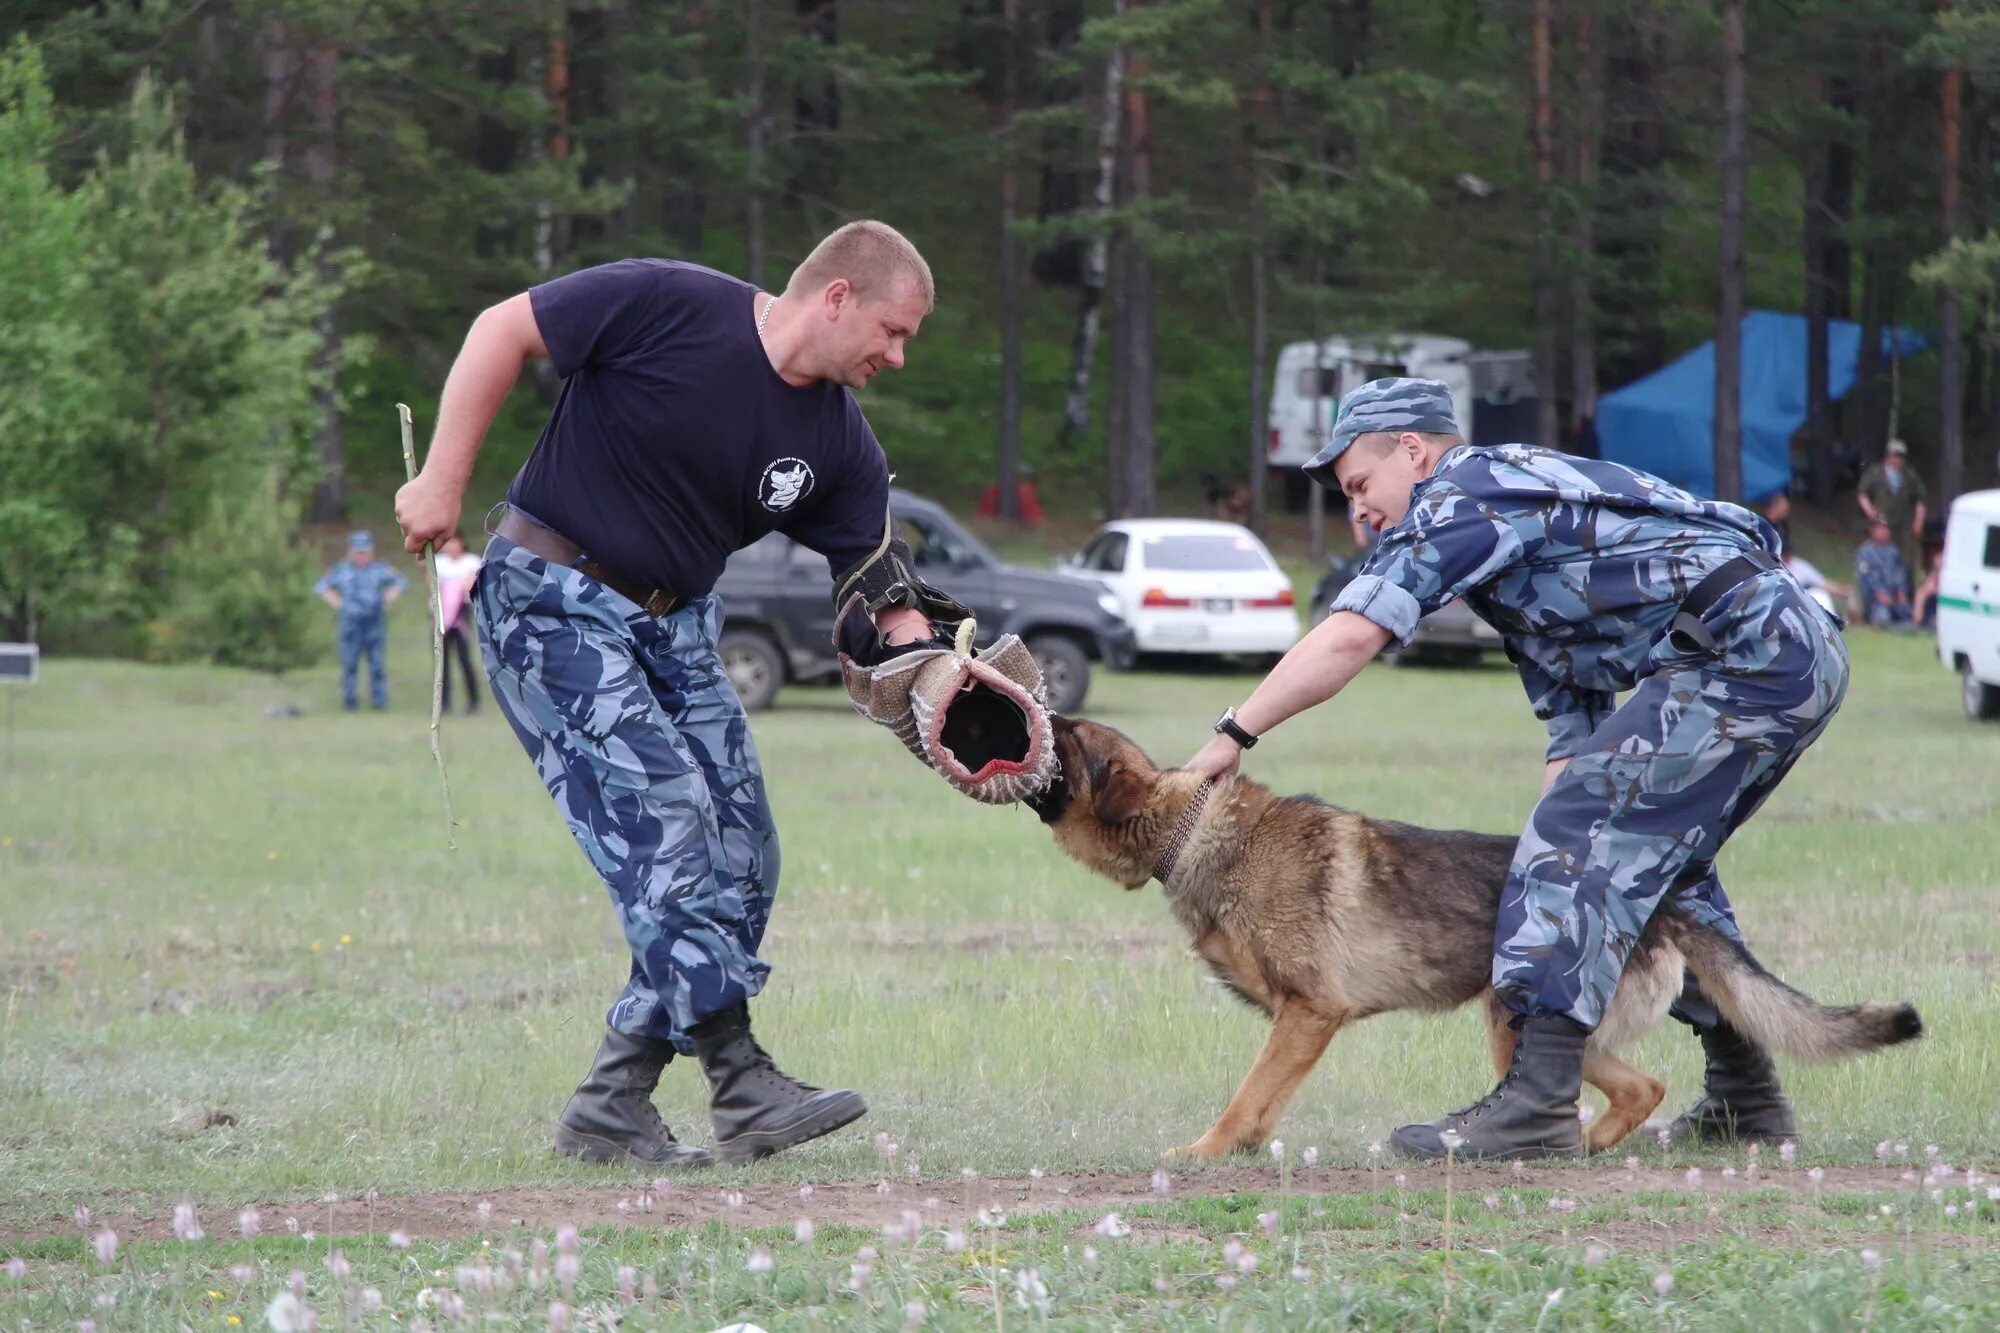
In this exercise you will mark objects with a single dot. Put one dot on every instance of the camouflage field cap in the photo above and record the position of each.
(1386, 404)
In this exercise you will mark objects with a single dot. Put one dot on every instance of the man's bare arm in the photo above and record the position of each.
(1318, 667)
(502, 340)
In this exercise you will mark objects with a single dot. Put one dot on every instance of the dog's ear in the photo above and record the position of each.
(1122, 795)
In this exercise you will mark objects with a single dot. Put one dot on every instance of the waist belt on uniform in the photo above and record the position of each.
(1718, 584)
(549, 544)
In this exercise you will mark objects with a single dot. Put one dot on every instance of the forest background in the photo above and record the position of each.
(238, 231)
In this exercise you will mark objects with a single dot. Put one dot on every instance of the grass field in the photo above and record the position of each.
(239, 967)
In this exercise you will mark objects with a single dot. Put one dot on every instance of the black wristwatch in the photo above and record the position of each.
(1226, 726)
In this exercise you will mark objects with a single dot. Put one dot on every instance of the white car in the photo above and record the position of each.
(1968, 603)
(1192, 586)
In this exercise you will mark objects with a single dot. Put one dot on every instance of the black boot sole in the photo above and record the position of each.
(1419, 1153)
(598, 1149)
(1716, 1133)
(822, 1119)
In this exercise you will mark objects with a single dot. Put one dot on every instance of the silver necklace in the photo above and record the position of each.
(765, 316)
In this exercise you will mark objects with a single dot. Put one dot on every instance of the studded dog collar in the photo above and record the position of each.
(1183, 830)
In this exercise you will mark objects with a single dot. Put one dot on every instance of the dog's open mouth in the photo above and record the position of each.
(1051, 800)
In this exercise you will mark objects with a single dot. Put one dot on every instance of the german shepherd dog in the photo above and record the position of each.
(1320, 916)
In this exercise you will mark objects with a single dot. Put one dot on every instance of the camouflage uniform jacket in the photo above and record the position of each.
(1580, 564)
(361, 587)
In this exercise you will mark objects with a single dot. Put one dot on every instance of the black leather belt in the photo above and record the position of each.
(549, 544)
(1718, 584)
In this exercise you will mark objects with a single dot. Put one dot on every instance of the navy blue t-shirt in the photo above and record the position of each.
(674, 442)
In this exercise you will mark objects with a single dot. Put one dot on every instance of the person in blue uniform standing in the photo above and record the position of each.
(697, 414)
(361, 589)
(1601, 579)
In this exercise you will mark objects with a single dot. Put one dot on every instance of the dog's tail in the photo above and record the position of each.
(1777, 1017)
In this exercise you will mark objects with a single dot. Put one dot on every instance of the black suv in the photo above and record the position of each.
(777, 600)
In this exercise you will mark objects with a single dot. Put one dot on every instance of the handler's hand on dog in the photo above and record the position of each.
(427, 512)
(1218, 758)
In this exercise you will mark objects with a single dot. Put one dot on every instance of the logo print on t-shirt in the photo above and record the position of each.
(784, 484)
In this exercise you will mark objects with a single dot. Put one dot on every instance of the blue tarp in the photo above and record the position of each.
(1665, 423)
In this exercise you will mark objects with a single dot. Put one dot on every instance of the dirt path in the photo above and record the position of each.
(685, 1203)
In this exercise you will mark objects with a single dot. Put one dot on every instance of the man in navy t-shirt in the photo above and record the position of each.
(697, 414)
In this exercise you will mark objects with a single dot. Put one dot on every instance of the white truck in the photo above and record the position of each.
(1492, 393)
(1968, 603)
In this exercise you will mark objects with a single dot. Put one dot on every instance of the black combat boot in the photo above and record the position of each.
(611, 1116)
(756, 1108)
(1532, 1113)
(1741, 1100)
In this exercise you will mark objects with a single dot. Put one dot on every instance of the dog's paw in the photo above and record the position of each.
(1203, 1149)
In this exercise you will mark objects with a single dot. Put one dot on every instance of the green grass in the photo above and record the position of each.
(1381, 1259)
(208, 914)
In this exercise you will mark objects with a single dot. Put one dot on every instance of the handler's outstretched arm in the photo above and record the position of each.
(1317, 668)
(502, 340)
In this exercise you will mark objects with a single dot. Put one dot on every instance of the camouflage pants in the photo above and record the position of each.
(639, 736)
(1641, 811)
(360, 637)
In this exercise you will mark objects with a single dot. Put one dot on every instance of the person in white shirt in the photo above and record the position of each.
(1778, 511)
(456, 568)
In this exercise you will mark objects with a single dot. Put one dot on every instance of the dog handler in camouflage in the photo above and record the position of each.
(697, 414)
(1601, 579)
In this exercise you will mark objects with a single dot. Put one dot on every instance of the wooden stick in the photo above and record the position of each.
(437, 634)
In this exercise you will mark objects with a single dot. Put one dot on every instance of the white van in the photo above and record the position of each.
(1492, 393)
(1968, 604)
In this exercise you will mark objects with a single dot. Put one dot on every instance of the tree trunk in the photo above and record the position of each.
(1547, 313)
(495, 146)
(685, 204)
(1316, 493)
(1951, 349)
(552, 232)
(754, 147)
(816, 106)
(1260, 351)
(1813, 235)
(1010, 271)
(1141, 441)
(1076, 405)
(1838, 254)
(320, 78)
(1260, 284)
(1871, 426)
(1117, 449)
(1582, 285)
(1057, 26)
(278, 56)
(1633, 199)
(591, 70)
(1729, 264)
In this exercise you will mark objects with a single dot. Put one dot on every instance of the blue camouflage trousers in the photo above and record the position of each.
(639, 736)
(360, 636)
(1657, 788)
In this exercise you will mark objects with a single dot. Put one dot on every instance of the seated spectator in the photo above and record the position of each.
(1878, 567)
(1924, 604)
(1778, 511)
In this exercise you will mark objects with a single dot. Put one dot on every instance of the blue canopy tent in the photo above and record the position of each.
(1665, 422)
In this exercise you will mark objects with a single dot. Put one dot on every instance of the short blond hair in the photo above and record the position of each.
(871, 256)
